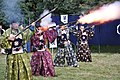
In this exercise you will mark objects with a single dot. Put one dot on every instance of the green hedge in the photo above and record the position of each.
(98, 49)
(105, 49)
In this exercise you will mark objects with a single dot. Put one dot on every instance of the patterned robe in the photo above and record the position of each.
(83, 53)
(41, 61)
(65, 50)
(18, 65)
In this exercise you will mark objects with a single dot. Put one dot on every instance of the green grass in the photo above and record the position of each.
(103, 67)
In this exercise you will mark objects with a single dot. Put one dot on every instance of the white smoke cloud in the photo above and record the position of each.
(12, 10)
(103, 14)
(46, 21)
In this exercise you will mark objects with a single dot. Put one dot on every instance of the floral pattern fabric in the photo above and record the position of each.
(65, 50)
(41, 61)
(18, 65)
(83, 51)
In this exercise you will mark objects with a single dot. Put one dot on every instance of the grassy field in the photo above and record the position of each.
(104, 67)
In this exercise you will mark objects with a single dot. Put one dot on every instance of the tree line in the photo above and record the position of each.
(31, 9)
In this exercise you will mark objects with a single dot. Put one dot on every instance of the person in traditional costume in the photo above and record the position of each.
(17, 60)
(41, 60)
(65, 50)
(83, 53)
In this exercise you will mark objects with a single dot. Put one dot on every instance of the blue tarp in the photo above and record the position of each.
(105, 34)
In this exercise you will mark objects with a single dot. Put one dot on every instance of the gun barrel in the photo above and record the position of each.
(40, 18)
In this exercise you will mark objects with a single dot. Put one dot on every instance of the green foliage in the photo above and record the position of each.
(33, 8)
(2, 15)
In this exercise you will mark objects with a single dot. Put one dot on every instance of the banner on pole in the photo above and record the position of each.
(53, 45)
(64, 18)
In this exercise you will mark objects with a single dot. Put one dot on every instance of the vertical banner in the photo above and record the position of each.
(64, 18)
(53, 45)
